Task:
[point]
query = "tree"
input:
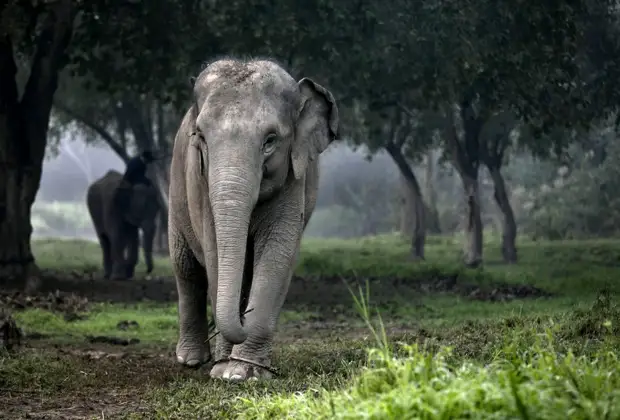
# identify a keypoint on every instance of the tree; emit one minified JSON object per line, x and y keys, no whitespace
{"x":129,"y":115}
{"x":471,"y":61}
{"x":400,"y":133}
{"x":42,"y":40}
{"x":24,"y":118}
{"x":496,"y":140}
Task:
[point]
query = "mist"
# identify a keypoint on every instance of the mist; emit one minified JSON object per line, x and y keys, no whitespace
{"x":346,"y":175}
{"x":70,"y":167}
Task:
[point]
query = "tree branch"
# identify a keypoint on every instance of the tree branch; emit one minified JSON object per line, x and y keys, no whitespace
{"x":121,"y":125}
{"x":406,"y":110}
{"x":454,"y":147}
{"x":404,"y":168}
{"x":94,"y":126}
{"x":141,"y":133}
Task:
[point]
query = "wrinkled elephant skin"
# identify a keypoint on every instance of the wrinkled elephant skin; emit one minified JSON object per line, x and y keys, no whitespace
{"x":116,"y":230}
{"x":244,"y":179}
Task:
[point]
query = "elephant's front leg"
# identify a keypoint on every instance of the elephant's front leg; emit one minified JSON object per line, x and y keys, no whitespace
{"x":192,"y":348}
{"x":276,"y":251}
{"x":118,"y":244}
{"x":104,"y":241}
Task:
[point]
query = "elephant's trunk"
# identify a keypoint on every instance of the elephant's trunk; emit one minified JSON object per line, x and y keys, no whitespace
{"x":233,"y":192}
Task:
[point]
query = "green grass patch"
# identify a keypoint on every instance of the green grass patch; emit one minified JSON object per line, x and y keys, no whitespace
{"x":82,"y":256}
{"x":443,"y":355}
{"x":549,"y":367}
{"x":560,"y":266}
{"x":535,"y":383}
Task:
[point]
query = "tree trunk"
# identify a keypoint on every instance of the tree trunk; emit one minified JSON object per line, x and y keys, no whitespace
{"x":473,"y":224}
{"x":407,"y":209}
{"x":465,"y":156}
{"x":23,"y":134}
{"x":509,"y":225}
{"x":432,"y":215}
{"x":418,"y":235}
{"x":18,"y":187}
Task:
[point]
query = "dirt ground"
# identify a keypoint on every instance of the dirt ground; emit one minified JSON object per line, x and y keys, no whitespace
{"x":120,"y":373}
{"x":312,"y":290}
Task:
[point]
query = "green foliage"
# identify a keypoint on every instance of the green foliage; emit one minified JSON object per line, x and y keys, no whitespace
{"x":522,"y":382}
{"x":130,"y":47}
{"x":580,"y":202}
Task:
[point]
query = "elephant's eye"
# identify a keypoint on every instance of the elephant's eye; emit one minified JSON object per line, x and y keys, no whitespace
{"x":269,"y":144}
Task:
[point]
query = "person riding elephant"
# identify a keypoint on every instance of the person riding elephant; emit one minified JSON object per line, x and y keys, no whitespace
{"x":117,"y":224}
{"x":135,"y":174}
{"x":243,"y":185}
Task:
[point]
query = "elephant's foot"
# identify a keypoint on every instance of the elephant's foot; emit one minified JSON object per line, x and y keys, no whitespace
{"x":119,"y":274}
{"x":191,"y":352}
{"x":218,"y":369}
{"x":238,"y":370}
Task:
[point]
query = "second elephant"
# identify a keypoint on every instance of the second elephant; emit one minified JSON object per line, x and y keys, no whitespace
{"x":117,"y":229}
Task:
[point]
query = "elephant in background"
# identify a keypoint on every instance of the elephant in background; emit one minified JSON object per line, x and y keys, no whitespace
{"x":117,"y":230}
{"x":244,"y":179}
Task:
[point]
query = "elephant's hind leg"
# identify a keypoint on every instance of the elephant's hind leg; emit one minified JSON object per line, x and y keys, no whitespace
{"x":106,"y":250}
{"x":192,"y":348}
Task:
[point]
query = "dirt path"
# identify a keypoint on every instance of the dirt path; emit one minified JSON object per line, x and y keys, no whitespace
{"x":312,"y":290}
{"x":99,"y":380}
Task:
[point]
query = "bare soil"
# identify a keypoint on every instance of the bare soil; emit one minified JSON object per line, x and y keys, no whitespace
{"x":56,"y":290}
{"x":115,"y":382}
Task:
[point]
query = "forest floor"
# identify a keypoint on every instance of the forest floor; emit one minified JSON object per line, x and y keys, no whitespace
{"x":537,"y":339}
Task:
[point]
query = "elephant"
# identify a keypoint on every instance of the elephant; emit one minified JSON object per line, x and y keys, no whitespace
{"x":117,"y":230}
{"x":244,"y":179}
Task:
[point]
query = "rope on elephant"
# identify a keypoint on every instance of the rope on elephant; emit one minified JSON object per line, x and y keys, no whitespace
{"x":212,"y":336}
{"x":273,"y":370}
{"x":249,"y":362}
{"x":238,"y":359}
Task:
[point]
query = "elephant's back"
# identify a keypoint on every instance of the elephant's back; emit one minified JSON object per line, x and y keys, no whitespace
{"x":100,"y":191}
{"x":110,"y":177}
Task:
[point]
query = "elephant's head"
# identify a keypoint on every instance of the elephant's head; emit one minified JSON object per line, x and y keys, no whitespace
{"x":260,"y":129}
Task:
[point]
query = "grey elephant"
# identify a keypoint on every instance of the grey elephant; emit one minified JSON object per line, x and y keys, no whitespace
{"x":117,"y":230}
{"x":244,"y":178}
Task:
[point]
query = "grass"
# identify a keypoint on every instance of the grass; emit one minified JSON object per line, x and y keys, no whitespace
{"x":428,"y":354}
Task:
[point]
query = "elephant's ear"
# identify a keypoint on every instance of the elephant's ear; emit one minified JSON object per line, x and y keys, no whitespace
{"x":317,"y":125}
{"x":191,"y":123}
